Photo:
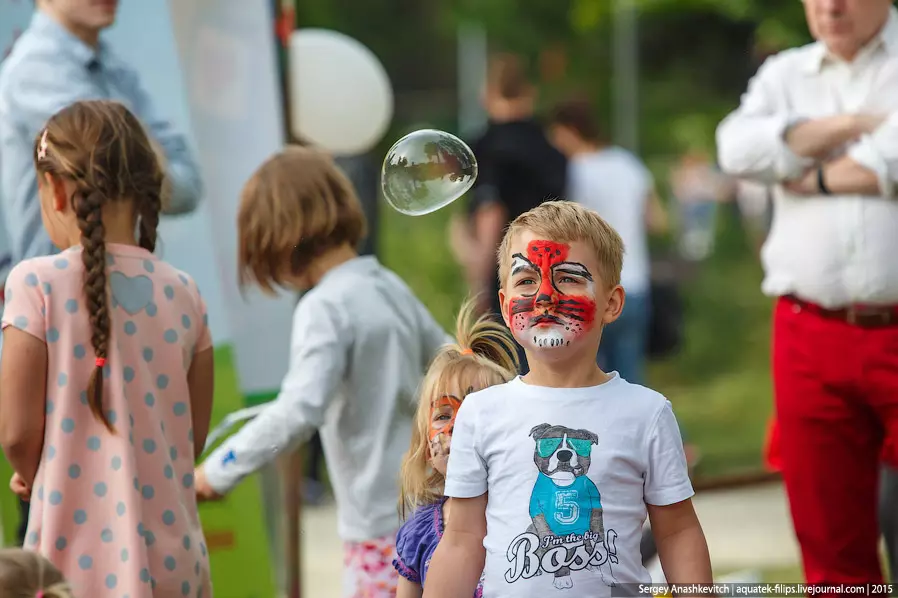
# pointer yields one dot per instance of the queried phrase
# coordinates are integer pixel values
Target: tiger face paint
(552, 300)
(442, 423)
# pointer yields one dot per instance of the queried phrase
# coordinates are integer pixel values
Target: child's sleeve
(24, 306)
(408, 544)
(466, 474)
(667, 476)
(319, 345)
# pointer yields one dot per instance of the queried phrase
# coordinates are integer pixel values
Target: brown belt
(863, 316)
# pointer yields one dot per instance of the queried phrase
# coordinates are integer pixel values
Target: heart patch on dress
(132, 294)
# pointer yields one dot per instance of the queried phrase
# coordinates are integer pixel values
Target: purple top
(416, 542)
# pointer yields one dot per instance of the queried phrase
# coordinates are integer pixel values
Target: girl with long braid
(106, 371)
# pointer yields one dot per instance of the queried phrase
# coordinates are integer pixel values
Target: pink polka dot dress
(116, 513)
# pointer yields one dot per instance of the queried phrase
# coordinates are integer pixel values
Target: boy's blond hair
(483, 355)
(567, 222)
(295, 207)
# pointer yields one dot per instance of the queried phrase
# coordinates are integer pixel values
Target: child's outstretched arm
(318, 356)
(459, 558)
(668, 495)
(681, 543)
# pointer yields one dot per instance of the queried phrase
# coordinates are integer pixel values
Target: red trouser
(836, 389)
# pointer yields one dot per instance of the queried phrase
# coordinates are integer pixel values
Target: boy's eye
(524, 281)
(443, 417)
(567, 280)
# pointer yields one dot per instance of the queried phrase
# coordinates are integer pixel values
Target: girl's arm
(459, 558)
(681, 543)
(201, 382)
(408, 589)
(23, 388)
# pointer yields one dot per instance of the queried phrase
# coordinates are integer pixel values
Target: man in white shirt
(820, 124)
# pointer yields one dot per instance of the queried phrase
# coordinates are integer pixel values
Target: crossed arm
(858, 153)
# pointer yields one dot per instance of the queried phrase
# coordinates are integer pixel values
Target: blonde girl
(484, 355)
(26, 574)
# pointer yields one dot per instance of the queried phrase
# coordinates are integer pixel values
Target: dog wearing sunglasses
(564, 500)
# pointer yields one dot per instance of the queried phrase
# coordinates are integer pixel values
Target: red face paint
(559, 304)
(442, 423)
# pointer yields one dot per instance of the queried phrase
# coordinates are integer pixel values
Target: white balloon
(340, 95)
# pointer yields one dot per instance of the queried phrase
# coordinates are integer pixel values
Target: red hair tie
(101, 361)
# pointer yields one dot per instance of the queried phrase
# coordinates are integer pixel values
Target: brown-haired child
(359, 347)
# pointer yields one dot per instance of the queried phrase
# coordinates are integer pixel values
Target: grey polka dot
(61, 543)
(196, 568)
(205, 319)
(185, 321)
(62, 379)
(33, 538)
(40, 493)
(148, 265)
(83, 397)
(151, 309)
(128, 373)
(49, 407)
(180, 408)
(112, 416)
(52, 335)
(80, 516)
(20, 322)
(51, 452)
(168, 517)
(61, 263)
(187, 480)
(203, 548)
(110, 259)
(170, 336)
(106, 535)
(186, 542)
(124, 555)
(136, 484)
(131, 417)
(107, 371)
(85, 562)
(111, 581)
(74, 471)
(149, 399)
(120, 509)
(149, 538)
(169, 472)
(190, 434)
(48, 288)
(130, 328)
(170, 563)
(162, 381)
(185, 588)
(149, 445)
(68, 425)
(31, 279)
(80, 352)
(169, 291)
(147, 354)
(71, 306)
(116, 463)
(144, 575)
(100, 489)
(173, 453)
(148, 492)
(55, 497)
(93, 443)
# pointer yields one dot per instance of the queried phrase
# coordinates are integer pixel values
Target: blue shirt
(568, 509)
(47, 70)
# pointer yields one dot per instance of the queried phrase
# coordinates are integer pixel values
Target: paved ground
(746, 529)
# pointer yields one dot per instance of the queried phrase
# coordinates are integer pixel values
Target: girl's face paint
(551, 300)
(442, 423)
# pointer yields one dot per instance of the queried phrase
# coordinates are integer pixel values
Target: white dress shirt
(831, 250)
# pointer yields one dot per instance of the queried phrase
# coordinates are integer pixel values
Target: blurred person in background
(58, 60)
(518, 170)
(818, 124)
(616, 184)
(698, 187)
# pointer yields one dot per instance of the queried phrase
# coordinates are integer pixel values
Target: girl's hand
(204, 492)
(19, 487)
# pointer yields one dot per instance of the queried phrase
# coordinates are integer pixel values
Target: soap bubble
(427, 170)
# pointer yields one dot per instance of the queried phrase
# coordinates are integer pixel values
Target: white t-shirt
(614, 183)
(571, 468)
(360, 345)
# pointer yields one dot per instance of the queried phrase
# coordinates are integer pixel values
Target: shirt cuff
(221, 472)
(457, 489)
(787, 164)
(670, 496)
(864, 152)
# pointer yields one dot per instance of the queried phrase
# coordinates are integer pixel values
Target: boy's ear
(615, 305)
(504, 308)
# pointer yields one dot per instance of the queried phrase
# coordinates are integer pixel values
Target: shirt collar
(362, 264)
(887, 38)
(44, 26)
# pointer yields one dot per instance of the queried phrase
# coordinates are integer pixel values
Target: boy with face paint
(552, 474)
